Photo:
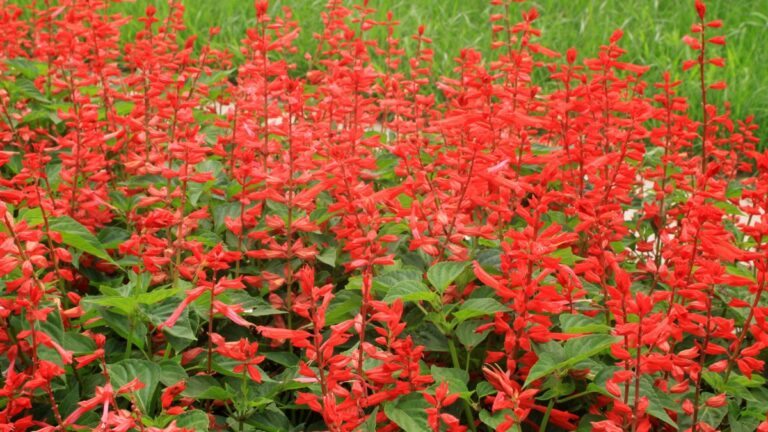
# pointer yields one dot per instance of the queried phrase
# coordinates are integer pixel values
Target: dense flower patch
(540, 241)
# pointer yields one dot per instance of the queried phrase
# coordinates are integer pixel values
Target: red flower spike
(701, 8)
(314, 202)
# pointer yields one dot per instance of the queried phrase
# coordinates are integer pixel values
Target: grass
(653, 31)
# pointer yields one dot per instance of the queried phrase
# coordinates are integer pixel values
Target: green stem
(576, 395)
(470, 417)
(129, 340)
(243, 391)
(209, 368)
(469, 357)
(545, 420)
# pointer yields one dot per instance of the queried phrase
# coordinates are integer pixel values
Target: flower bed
(540, 241)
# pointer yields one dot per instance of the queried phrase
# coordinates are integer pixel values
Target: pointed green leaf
(205, 387)
(442, 274)
(566, 256)
(457, 379)
(467, 334)
(147, 372)
(195, 420)
(33, 216)
(574, 352)
(26, 88)
(409, 412)
(410, 291)
(496, 419)
(578, 323)
(478, 307)
(658, 401)
(75, 235)
(156, 296)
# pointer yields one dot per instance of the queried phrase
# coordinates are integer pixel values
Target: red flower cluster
(195, 239)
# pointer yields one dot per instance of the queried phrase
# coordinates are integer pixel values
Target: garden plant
(340, 238)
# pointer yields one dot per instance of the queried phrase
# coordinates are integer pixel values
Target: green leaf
(410, 291)
(356, 283)
(196, 190)
(709, 415)
(489, 258)
(737, 385)
(221, 212)
(468, 336)
(580, 349)
(14, 164)
(734, 189)
(585, 423)
(270, 419)
(321, 215)
(577, 323)
(172, 372)
(574, 352)
(53, 171)
(195, 420)
(37, 115)
(443, 274)
(26, 88)
(285, 358)
(156, 296)
(370, 423)
(26, 67)
(122, 325)
(207, 238)
(544, 366)
(328, 256)
(566, 256)
(121, 201)
(33, 216)
(495, 420)
(68, 398)
(478, 307)
(205, 387)
(123, 108)
(111, 237)
(728, 208)
(741, 271)
(741, 423)
(618, 246)
(147, 372)
(345, 305)
(78, 343)
(658, 401)
(215, 77)
(554, 387)
(125, 305)
(252, 306)
(484, 388)
(392, 278)
(405, 200)
(457, 379)
(761, 406)
(431, 337)
(75, 235)
(409, 412)
(181, 334)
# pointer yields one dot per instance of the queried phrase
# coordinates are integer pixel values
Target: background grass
(653, 32)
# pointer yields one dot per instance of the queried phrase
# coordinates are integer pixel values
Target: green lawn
(653, 32)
